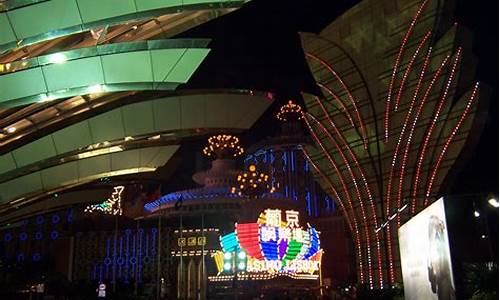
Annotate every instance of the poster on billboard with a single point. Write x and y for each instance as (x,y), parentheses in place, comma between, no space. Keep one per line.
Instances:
(425,255)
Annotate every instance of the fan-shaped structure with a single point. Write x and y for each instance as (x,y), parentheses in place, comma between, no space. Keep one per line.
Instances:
(398,109)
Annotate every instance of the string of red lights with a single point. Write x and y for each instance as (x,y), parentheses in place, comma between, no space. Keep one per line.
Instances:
(346,192)
(354,230)
(395,69)
(428,134)
(349,94)
(365,183)
(409,139)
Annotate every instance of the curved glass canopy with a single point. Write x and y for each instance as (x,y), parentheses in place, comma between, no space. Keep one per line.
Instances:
(75,147)
(145,65)
(31,21)
(83,171)
(168,114)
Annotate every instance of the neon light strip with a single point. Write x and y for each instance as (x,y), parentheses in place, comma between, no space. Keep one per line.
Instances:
(395,69)
(248,236)
(305,246)
(365,182)
(409,68)
(412,130)
(429,132)
(448,141)
(270,248)
(351,98)
(314,243)
(229,242)
(346,192)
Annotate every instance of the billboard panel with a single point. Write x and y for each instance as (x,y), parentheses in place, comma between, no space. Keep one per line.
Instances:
(425,255)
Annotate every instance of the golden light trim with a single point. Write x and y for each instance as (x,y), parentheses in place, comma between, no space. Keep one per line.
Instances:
(223,145)
(100,152)
(290,112)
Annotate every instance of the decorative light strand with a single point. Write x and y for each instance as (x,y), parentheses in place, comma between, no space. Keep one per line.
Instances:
(409,68)
(365,182)
(330,185)
(403,131)
(252,183)
(430,130)
(223,145)
(341,103)
(412,130)
(393,163)
(341,178)
(346,214)
(448,141)
(395,69)
(289,112)
(112,206)
(351,98)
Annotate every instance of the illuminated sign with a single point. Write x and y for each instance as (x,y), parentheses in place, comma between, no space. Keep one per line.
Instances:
(112,206)
(273,245)
(425,255)
(192,241)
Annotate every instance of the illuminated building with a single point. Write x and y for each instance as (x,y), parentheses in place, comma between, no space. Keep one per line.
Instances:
(203,215)
(397,111)
(107,95)
(96,95)
(90,102)
(291,175)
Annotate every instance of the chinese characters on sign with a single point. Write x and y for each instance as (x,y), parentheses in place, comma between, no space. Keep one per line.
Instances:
(192,241)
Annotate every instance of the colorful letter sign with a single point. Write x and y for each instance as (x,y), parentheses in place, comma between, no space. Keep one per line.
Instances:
(275,245)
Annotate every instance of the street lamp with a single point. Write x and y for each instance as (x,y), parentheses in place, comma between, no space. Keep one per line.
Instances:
(476,213)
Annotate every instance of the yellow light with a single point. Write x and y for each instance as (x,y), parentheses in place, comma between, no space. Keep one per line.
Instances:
(252,168)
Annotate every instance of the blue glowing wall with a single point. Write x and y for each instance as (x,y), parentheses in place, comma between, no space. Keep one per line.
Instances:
(128,258)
